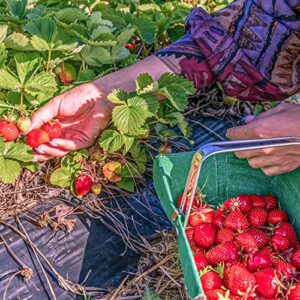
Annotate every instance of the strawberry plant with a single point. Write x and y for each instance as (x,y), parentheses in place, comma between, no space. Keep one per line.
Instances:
(48,47)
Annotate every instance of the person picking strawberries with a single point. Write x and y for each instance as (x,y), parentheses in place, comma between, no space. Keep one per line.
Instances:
(250,47)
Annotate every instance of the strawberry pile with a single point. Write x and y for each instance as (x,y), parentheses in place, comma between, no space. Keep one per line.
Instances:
(246,249)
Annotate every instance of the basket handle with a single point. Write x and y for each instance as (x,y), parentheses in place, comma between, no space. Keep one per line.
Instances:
(207,150)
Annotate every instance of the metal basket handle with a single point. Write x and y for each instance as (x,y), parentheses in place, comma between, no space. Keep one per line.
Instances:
(203,152)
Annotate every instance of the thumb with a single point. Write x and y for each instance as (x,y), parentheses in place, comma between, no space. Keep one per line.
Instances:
(45,114)
(241,132)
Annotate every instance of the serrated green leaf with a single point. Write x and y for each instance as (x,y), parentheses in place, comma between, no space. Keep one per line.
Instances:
(96,56)
(26,65)
(169,78)
(128,142)
(9,170)
(71,15)
(100,30)
(3,32)
(131,116)
(117,97)
(42,85)
(143,81)
(152,103)
(122,39)
(151,7)
(8,80)
(85,76)
(61,177)
(111,141)
(32,167)
(178,119)
(104,39)
(17,8)
(17,151)
(126,184)
(147,29)
(139,156)
(44,28)
(17,41)
(3,55)
(39,44)
(176,95)
(122,54)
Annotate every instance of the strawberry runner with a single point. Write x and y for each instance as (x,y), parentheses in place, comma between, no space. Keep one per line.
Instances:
(251,47)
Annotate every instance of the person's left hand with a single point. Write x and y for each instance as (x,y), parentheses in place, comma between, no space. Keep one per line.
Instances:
(284,120)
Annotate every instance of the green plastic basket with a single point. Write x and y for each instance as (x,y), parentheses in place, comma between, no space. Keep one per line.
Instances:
(222,176)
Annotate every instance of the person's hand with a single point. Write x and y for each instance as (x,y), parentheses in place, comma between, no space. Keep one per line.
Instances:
(83,113)
(284,120)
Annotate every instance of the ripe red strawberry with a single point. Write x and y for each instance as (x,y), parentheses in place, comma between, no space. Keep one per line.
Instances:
(257,217)
(9,131)
(37,137)
(287,230)
(196,249)
(204,214)
(224,235)
(258,201)
(277,216)
(247,242)
(296,260)
(189,234)
(261,238)
(293,292)
(236,221)
(270,252)
(200,261)
(218,220)
(210,281)
(129,46)
(280,243)
(271,202)
(216,294)
(179,201)
(242,202)
(240,281)
(267,283)
(257,261)
(226,252)
(53,129)
(204,235)
(284,268)
(82,185)
(227,270)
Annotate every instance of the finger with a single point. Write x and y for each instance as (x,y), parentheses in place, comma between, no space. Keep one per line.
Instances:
(259,162)
(51,151)
(40,157)
(279,169)
(241,132)
(259,152)
(45,114)
(64,144)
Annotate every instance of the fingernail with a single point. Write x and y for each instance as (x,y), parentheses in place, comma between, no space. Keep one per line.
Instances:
(53,144)
(39,151)
(34,160)
(248,118)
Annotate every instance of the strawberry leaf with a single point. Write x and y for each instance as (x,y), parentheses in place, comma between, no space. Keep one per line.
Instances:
(3,55)
(147,29)
(111,141)
(130,116)
(117,97)
(17,8)
(17,151)
(9,170)
(8,80)
(126,184)
(71,15)
(143,81)
(3,32)
(61,177)
(128,142)
(18,41)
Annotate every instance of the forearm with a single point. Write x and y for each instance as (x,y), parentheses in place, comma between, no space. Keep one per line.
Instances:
(124,79)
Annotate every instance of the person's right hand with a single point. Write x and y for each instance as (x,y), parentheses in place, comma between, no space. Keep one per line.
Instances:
(83,113)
